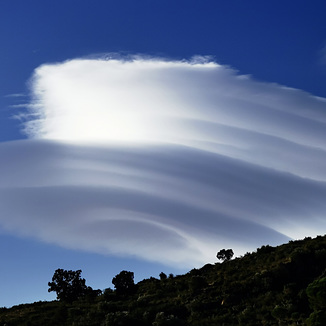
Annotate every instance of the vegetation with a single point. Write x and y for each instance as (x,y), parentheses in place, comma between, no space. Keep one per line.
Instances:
(225,254)
(124,283)
(283,285)
(69,286)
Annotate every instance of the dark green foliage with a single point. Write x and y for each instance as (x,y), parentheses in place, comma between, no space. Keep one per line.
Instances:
(161,319)
(108,294)
(124,282)
(197,284)
(317,318)
(265,249)
(225,254)
(69,286)
(122,318)
(163,276)
(285,285)
(316,292)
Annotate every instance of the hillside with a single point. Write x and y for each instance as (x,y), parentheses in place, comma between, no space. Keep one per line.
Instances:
(284,285)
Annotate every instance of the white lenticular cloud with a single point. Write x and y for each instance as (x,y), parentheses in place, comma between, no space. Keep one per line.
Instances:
(200,105)
(165,160)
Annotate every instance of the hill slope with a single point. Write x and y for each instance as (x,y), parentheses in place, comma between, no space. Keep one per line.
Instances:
(285,285)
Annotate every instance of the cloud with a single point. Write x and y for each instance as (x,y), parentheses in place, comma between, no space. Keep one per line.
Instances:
(165,160)
(15,95)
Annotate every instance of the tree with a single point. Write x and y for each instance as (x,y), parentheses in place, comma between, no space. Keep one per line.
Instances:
(225,254)
(124,282)
(163,276)
(68,285)
(316,292)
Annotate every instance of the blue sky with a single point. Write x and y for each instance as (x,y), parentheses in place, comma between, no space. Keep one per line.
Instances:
(192,124)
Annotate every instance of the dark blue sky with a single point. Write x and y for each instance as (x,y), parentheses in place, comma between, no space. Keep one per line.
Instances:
(282,42)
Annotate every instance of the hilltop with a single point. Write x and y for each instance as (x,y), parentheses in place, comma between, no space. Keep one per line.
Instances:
(284,285)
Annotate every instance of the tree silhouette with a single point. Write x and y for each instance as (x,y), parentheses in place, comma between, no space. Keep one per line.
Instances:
(163,276)
(124,282)
(68,285)
(225,254)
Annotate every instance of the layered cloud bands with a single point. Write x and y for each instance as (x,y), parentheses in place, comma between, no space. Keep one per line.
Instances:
(169,161)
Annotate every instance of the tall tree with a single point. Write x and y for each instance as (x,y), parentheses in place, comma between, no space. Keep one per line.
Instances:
(225,254)
(124,282)
(68,285)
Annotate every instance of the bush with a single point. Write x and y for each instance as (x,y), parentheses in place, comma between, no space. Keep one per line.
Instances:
(317,318)
(316,292)
(124,282)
